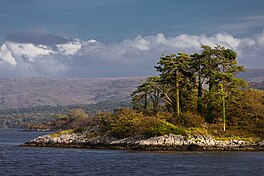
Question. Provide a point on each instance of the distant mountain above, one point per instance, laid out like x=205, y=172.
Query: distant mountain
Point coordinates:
x=29, y=92
x=257, y=85
x=32, y=92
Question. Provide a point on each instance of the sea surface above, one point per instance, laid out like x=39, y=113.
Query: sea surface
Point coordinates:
x=16, y=160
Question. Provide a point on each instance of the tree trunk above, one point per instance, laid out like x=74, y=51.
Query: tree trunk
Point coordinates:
x=224, y=112
x=145, y=101
x=223, y=107
x=199, y=96
x=177, y=94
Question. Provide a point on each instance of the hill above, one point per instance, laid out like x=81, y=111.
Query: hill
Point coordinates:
x=31, y=92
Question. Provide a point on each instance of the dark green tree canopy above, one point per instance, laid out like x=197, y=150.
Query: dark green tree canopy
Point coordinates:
x=204, y=82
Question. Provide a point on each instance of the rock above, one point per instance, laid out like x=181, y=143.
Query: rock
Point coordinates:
x=166, y=142
x=260, y=143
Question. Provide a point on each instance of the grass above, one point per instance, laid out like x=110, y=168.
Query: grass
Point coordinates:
x=166, y=128
x=196, y=130
x=232, y=132
x=59, y=133
x=234, y=137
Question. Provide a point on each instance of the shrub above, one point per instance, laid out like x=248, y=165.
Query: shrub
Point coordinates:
x=163, y=115
x=122, y=123
x=77, y=114
x=165, y=128
x=126, y=122
x=188, y=119
x=195, y=130
x=59, y=133
x=247, y=109
x=105, y=120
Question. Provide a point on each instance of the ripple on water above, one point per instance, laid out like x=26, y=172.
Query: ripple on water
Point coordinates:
x=16, y=160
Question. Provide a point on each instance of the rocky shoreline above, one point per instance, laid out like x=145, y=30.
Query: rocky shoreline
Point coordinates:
x=169, y=142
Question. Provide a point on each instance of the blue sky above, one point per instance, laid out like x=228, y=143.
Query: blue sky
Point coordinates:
x=35, y=34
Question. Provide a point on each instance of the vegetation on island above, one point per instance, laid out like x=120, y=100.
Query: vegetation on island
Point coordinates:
x=40, y=117
x=196, y=93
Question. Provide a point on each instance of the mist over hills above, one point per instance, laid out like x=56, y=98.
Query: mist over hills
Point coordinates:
x=36, y=91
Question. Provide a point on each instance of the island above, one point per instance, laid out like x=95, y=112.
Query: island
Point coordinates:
x=196, y=103
x=170, y=142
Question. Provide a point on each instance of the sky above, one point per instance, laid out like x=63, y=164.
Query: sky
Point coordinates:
x=121, y=38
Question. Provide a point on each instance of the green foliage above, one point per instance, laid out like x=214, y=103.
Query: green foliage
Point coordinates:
x=241, y=131
x=62, y=116
x=42, y=117
x=248, y=111
x=59, y=133
x=77, y=113
x=163, y=128
x=190, y=119
x=126, y=122
x=191, y=92
x=196, y=130
x=245, y=119
x=175, y=72
x=74, y=119
x=147, y=96
x=196, y=88
x=192, y=82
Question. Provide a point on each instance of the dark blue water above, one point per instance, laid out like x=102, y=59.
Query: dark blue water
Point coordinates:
x=15, y=160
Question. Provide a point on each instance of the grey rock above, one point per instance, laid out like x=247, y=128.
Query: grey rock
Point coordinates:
x=193, y=142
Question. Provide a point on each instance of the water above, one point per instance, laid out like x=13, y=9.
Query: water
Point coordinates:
x=15, y=160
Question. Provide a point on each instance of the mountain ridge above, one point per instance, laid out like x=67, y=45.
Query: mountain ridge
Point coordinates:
x=40, y=91
x=37, y=91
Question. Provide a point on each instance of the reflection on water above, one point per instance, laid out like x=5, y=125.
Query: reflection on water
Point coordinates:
x=15, y=160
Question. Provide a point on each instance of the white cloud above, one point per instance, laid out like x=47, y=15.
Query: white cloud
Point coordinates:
x=6, y=55
x=230, y=40
x=13, y=52
x=160, y=39
x=260, y=39
x=138, y=43
x=69, y=48
x=131, y=57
